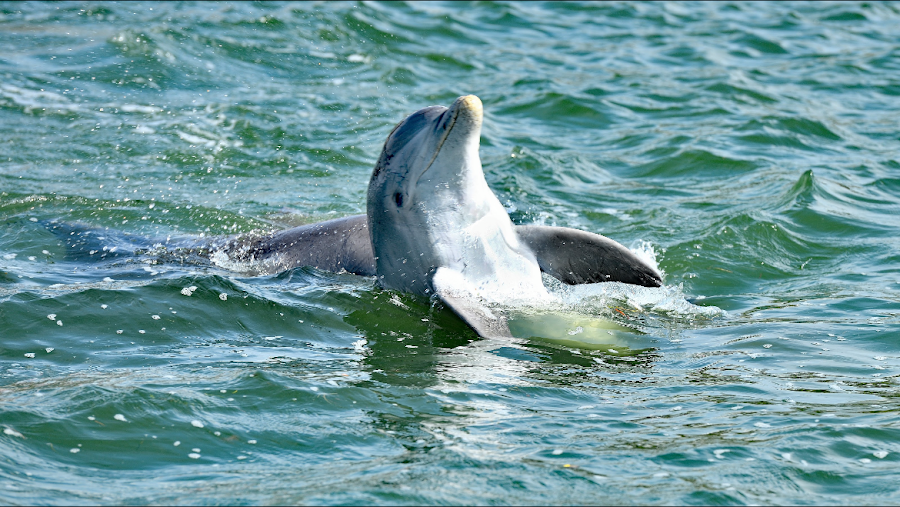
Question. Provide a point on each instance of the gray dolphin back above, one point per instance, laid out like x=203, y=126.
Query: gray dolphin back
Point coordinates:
x=569, y=255
x=335, y=245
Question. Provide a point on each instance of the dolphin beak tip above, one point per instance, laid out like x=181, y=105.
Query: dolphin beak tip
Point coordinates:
x=470, y=104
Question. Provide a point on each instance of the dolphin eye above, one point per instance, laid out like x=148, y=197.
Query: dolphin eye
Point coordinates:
x=398, y=198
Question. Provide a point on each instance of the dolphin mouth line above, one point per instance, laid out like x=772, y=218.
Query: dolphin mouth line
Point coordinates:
x=440, y=144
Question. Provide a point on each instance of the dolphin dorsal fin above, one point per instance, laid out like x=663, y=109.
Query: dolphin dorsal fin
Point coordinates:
x=455, y=292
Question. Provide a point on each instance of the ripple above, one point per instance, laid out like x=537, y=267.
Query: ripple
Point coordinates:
x=751, y=147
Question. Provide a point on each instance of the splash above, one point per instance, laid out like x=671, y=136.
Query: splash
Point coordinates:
x=597, y=299
x=644, y=251
x=605, y=315
x=240, y=258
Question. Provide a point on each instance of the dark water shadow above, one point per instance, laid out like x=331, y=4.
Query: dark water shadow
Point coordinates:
x=417, y=343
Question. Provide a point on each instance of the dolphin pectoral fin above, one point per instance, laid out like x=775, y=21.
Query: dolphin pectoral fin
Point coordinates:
x=453, y=291
x=576, y=257
x=479, y=318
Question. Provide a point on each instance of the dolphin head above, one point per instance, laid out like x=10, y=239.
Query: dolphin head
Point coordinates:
x=437, y=140
x=427, y=199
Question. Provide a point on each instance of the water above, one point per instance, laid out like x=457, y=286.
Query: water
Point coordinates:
x=751, y=147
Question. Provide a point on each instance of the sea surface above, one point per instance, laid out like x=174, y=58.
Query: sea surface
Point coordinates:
x=751, y=150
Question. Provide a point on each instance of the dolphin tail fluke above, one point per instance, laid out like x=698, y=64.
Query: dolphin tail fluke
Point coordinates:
x=453, y=292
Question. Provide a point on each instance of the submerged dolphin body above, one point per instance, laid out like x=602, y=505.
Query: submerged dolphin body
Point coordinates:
x=434, y=227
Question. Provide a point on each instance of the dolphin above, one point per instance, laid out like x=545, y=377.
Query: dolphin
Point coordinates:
x=434, y=228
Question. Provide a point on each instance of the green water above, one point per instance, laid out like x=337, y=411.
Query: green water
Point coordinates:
x=754, y=148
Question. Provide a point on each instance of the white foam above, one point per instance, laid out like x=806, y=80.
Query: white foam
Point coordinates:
x=242, y=261
x=644, y=251
x=597, y=298
x=136, y=108
x=38, y=99
x=11, y=432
